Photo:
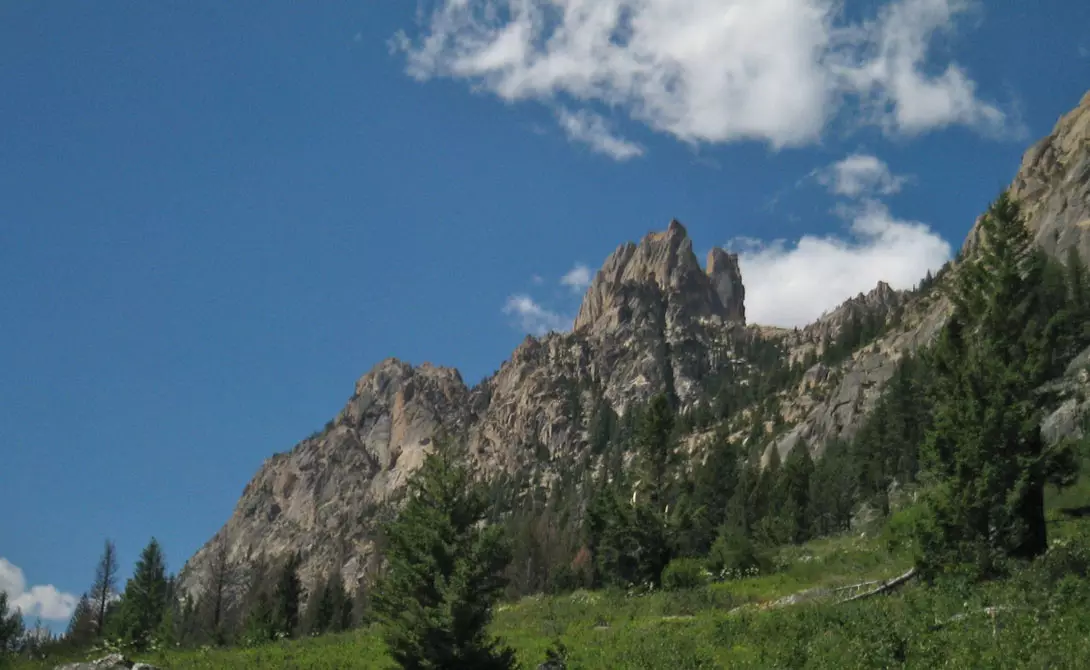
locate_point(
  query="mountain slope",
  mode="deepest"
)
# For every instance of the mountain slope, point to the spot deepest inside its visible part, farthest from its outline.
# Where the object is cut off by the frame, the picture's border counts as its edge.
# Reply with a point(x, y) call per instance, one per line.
point(652, 320)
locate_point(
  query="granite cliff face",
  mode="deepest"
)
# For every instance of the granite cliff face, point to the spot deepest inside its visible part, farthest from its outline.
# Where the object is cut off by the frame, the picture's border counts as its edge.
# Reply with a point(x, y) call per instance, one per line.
point(652, 320)
point(1053, 188)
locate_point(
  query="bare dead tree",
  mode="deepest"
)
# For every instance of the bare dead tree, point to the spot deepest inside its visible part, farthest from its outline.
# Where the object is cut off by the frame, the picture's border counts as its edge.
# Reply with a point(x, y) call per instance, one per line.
point(221, 579)
point(105, 586)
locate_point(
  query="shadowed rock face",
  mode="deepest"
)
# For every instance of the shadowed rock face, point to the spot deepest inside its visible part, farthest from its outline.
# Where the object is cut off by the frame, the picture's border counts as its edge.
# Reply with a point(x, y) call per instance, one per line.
point(652, 319)
point(726, 279)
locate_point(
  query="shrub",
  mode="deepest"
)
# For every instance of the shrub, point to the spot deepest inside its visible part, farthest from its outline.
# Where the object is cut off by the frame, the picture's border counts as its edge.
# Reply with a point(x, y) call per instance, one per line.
point(734, 556)
point(684, 573)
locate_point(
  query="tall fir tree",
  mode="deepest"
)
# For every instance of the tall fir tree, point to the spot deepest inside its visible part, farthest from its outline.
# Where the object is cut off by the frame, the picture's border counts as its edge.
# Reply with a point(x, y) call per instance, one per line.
point(81, 627)
point(797, 472)
point(287, 597)
point(984, 452)
point(11, 626)
point(445, 571)
point(146, 598)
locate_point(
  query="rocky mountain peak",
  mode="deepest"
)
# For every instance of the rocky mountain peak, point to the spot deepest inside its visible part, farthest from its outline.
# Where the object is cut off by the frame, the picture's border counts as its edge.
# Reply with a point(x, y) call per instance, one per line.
point(663, 264)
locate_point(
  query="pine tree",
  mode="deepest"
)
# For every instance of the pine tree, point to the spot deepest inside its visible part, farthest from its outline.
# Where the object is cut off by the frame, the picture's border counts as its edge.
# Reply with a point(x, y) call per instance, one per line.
point(81, 627)
point(289, 591)
point(261, 623)
point(445, 571)
point(145, 600)
point(985, 451)
point(342, 604)
point(319, 615)
point(11, 626)
point(654, 442)
point(714, 484)
point(104, 590)
point(797, 471)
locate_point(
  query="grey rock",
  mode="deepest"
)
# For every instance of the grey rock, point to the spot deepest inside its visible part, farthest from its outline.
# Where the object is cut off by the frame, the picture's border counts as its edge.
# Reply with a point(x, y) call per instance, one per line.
point(726, 279)
point(110, 662)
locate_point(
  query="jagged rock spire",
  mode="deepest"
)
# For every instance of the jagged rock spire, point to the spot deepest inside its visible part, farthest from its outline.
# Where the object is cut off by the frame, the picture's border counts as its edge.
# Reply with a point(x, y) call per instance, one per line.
point(663, 260)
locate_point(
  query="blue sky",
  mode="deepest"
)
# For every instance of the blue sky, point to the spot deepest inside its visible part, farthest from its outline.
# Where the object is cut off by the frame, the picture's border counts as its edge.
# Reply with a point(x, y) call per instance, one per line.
point(215, 216)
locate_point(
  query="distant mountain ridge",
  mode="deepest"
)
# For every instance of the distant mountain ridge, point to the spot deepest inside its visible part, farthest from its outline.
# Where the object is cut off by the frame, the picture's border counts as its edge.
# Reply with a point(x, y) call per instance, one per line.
point(652, 320)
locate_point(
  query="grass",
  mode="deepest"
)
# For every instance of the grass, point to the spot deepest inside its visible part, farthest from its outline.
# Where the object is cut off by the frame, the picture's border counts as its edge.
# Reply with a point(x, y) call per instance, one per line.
point(729, 624)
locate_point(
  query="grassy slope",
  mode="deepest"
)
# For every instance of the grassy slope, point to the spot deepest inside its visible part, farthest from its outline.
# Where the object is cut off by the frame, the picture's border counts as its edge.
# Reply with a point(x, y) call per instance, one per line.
point(732, 625)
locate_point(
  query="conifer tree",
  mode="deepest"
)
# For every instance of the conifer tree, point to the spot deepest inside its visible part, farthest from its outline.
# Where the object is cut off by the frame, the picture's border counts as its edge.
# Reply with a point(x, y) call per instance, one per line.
point(445, 571)
point(320, 608)
point(11, 626)
point(289, 591)
point(145, 600)
point(714, 484)
point(984, 451)
point(797, 471)
point(81, 627)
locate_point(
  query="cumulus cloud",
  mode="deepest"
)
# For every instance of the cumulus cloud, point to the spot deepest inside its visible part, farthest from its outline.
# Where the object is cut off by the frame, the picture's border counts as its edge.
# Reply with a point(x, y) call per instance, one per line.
point(592, 130)
point(534, 319)
point(705, 71)
point(860, 174)
point(45, 601)
point(793, 284)
point(578, 278)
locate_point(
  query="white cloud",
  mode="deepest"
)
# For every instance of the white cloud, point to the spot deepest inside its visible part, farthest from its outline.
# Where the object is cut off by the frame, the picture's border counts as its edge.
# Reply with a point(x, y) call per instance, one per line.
point(533, 318)
point(792, 285)
point(39, 601)
point(592, 130)
point(860, 174)
point(537, 280)
point(705, 71)
point(1084, 52)
point(901, 95)
point(578, 278)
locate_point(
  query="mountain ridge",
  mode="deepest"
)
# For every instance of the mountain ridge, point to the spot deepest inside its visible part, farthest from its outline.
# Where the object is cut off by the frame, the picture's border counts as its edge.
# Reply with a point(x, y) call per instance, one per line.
point(652, 320)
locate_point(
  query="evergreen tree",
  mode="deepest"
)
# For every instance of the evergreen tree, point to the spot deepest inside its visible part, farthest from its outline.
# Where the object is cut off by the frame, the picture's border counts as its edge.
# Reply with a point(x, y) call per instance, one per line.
point(319, 614)
point(833, 490)
point(342, 604)
point(11, 626)
point(445, 571)
point(657, 455)
point(798, 470)
point(714, 484)
point(985, 451)
point(104, 589)
point(261, 620)
point(145, 600)
point(289, 591)
point(81, 627)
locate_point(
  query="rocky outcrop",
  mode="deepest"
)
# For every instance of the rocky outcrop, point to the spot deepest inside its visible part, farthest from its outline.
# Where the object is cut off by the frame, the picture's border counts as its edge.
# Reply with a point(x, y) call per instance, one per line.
point(111, 662)
point(1053, 188)
point(317, 498)
point(662, 261)
point(726, 279)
